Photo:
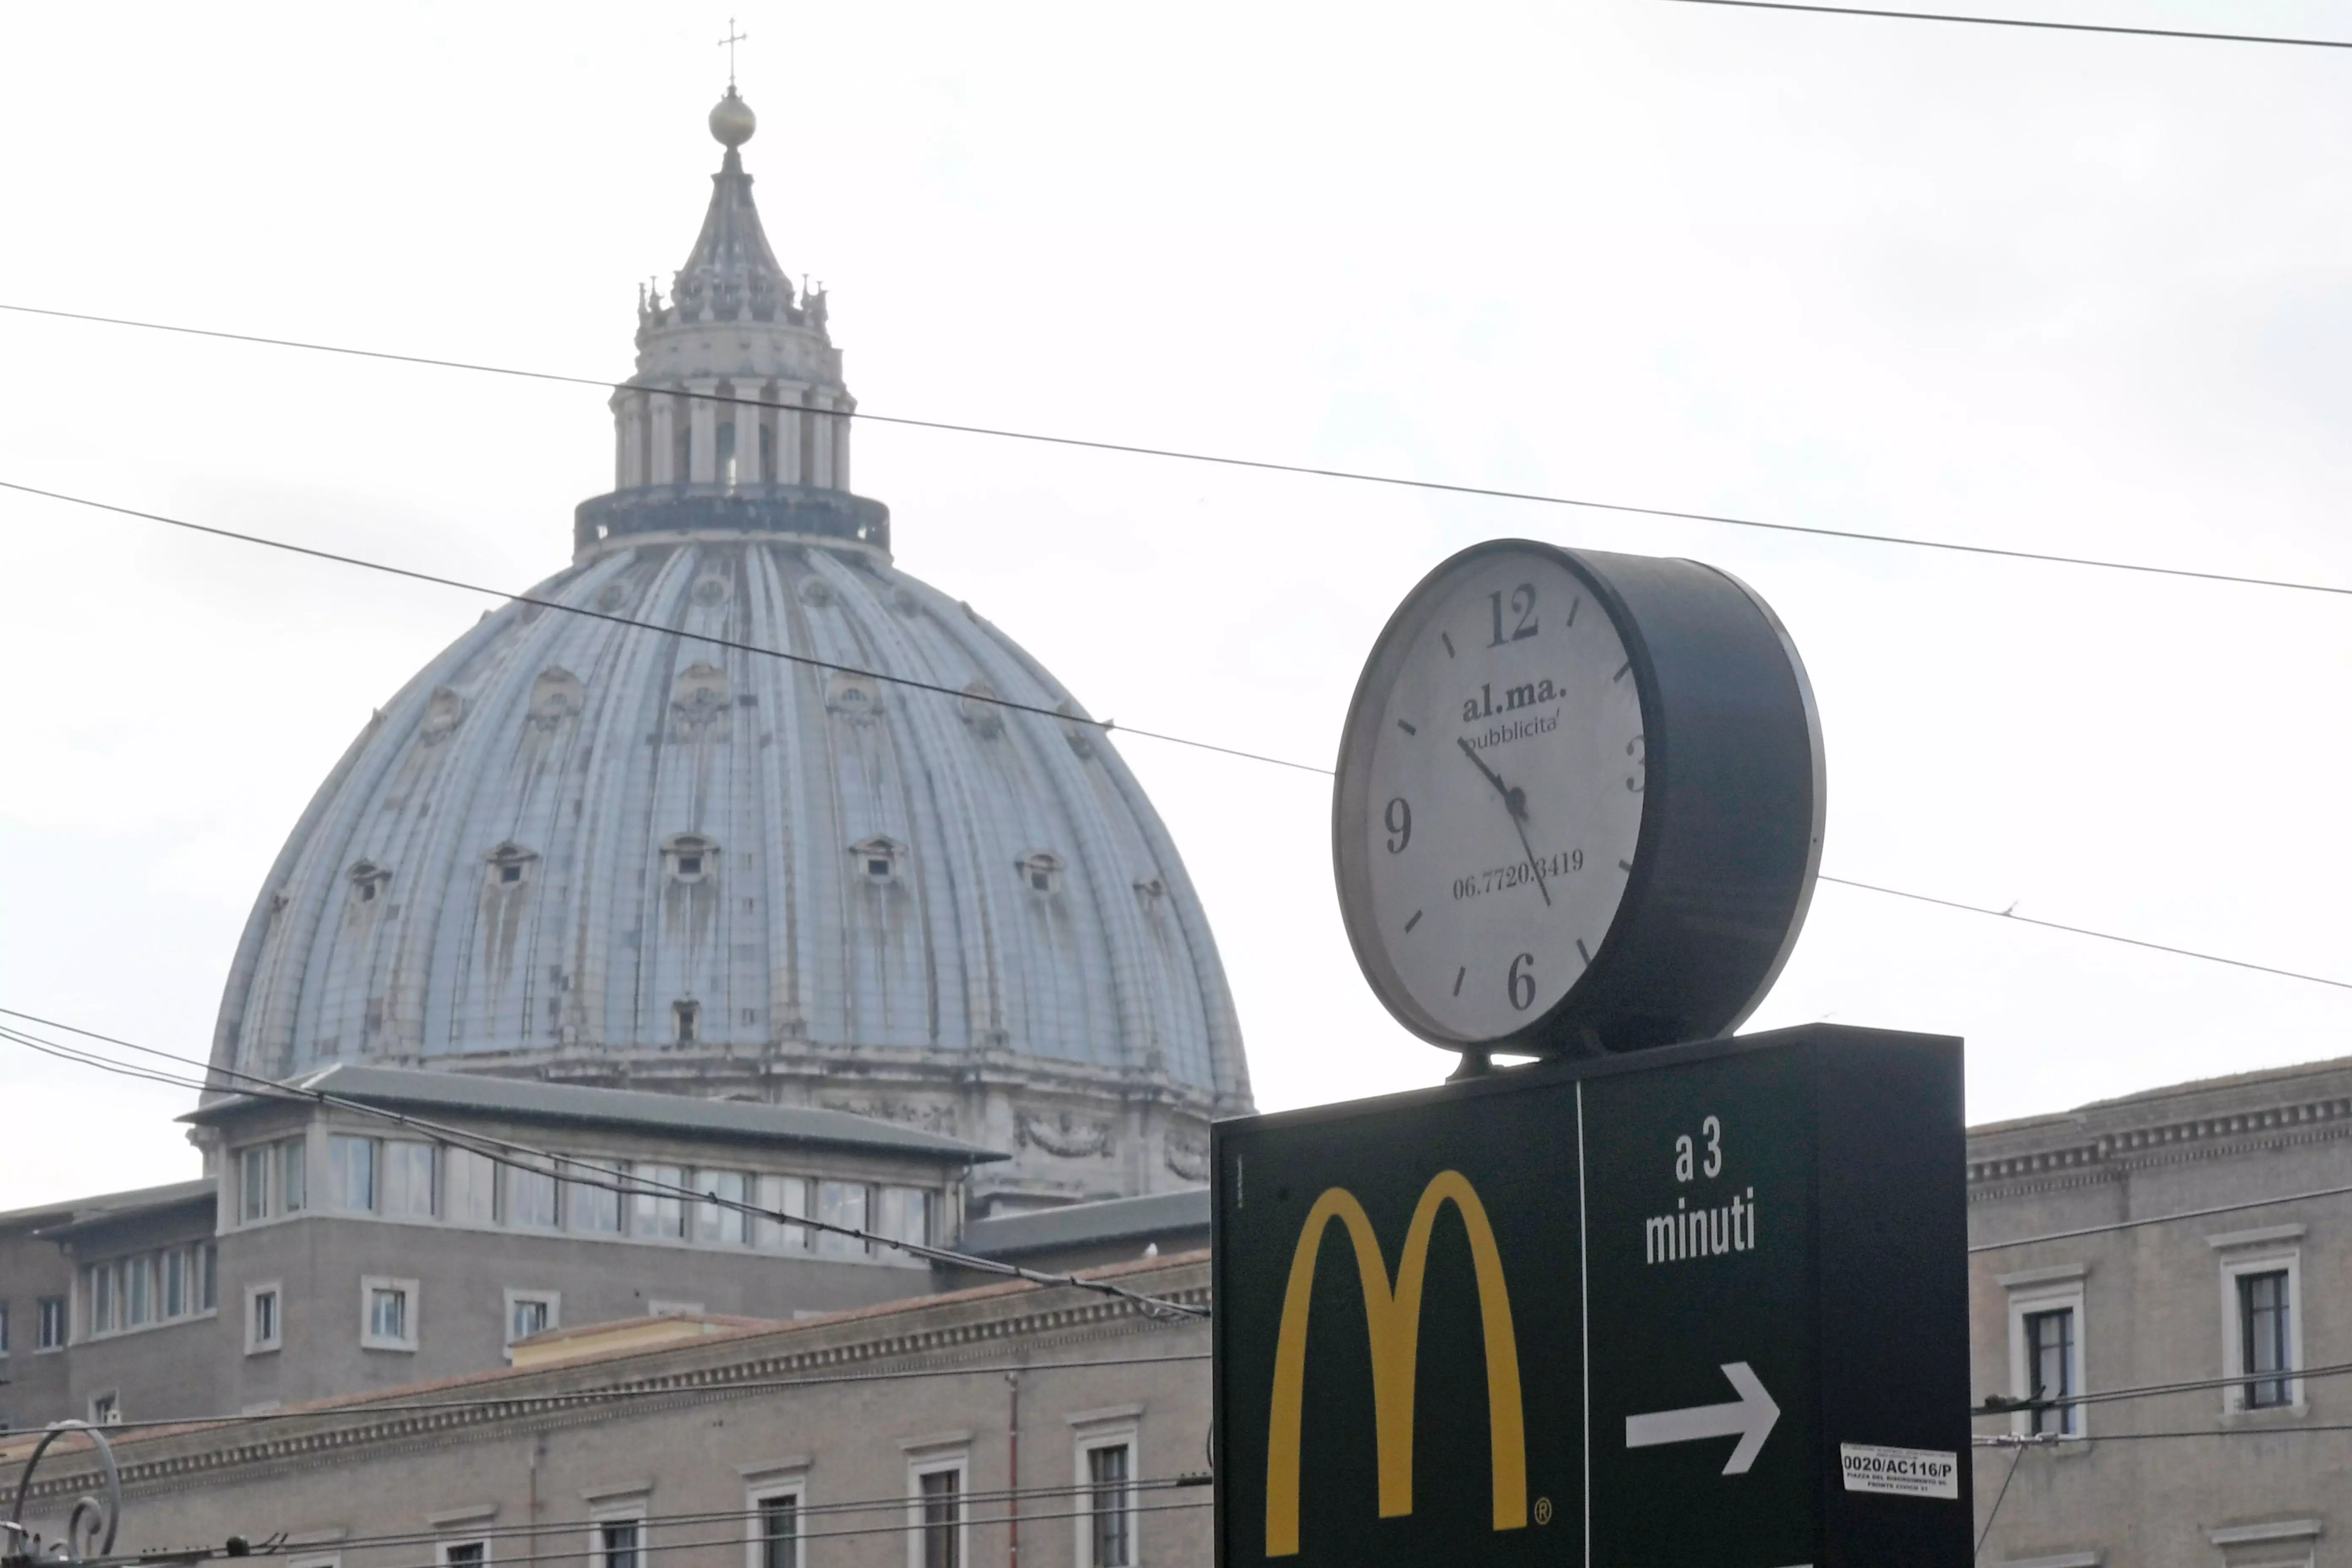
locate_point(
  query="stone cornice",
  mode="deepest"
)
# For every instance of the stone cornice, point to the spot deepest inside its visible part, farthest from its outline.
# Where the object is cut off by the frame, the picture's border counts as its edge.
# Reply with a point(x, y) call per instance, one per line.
point(2076, 1155)
point(945, 1331)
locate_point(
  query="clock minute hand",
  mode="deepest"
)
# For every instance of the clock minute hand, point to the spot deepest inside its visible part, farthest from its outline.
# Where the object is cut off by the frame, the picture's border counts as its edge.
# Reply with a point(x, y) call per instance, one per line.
point(1515, 802)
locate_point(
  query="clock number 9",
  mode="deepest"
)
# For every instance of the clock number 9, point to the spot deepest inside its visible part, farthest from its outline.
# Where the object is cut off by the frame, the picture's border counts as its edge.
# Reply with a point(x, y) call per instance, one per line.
point(1522, 982)
point(1400, 824)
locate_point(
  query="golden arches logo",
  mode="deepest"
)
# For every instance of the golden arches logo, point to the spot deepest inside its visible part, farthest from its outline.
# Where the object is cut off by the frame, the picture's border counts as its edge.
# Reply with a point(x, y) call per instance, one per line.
point(1393, 1320)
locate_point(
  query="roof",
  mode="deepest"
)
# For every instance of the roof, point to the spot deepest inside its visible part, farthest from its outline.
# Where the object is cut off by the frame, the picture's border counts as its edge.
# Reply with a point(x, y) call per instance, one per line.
point(55, 1219)
point(1079, 1224)
point(528, 1100)
point(2156, 1100)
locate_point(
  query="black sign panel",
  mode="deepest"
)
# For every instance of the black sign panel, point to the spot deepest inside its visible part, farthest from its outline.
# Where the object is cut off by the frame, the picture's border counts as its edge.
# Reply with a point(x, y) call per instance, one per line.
point(1701, 1306)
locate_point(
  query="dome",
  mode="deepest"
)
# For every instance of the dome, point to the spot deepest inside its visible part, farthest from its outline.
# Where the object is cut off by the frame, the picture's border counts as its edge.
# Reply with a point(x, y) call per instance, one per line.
point(634, 846)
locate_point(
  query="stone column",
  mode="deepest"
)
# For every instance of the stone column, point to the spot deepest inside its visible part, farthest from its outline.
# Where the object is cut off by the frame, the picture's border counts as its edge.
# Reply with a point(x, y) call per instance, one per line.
point(664, 467)
point(788, 435)
point(746, 432)
point(629, 421)
point(702, 449)
point(821, 449)
point(841, 446)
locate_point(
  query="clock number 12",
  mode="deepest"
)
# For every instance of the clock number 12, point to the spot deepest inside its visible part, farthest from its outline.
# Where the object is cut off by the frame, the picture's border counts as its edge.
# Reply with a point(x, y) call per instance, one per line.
point(1523, 605)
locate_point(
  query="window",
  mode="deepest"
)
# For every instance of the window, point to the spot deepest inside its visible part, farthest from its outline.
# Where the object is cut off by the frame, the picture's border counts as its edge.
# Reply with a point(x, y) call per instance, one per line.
point(293, 1172)
point(137, 1292)
point(940, 1510)
point(716, 1224)
point(2262, 1338)
point(205, 1259)
point(1042, 869)
point(689, 857)
point(2049, 1368)
point(253, 1184)
point(904, 1213)
point(388, 1315)
point(106, 1409)
point(1109, 1506)
point(465, 1553)
point(620, 1544)
point(876, 860)
point(782, 1194)
point(351, 1173)
point(843, 1203)
point(530, 1198)
point(264, 1326)
point(175, 1283)
point(103, 1279)
point(51, 1329)
point(407, 1180)
point(532, 1312)
point(776, 1531)
point(1106, 1469)
point(2046, 1335)
point(3, 1328)
point(470, 1187)
point(2261, 1316)
point(594, 1210)
point(686, 1021)
point(653, 1212)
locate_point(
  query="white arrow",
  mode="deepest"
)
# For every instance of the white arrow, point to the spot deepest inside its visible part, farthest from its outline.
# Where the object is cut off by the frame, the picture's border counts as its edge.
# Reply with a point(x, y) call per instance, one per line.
point(1749, 1418)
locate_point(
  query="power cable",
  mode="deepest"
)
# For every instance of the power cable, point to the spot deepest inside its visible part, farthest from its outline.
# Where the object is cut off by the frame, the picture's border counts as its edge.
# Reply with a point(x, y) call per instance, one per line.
point(1104, 724)
point(632, 1184)
point(1224, 460)
point(959, 693)
point(2052, 1440)
point(2000, 1406)
point(2114, 1225)
point(1998, 1498)
point(2011, 914)
point(2016, 22)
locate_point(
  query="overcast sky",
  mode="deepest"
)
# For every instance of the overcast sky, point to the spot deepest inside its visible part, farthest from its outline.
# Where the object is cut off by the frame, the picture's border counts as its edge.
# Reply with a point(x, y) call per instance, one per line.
point(2083, 294)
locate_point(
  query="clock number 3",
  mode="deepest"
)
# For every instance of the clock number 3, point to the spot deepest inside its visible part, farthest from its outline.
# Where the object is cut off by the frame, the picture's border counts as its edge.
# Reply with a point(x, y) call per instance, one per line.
point(1639, 750)
point(1523, 605)
point(1521, 981)
point(1400, 821)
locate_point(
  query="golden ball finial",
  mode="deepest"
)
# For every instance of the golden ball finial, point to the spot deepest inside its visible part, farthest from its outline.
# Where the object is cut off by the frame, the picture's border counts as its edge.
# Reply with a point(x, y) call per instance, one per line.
point(732, 121)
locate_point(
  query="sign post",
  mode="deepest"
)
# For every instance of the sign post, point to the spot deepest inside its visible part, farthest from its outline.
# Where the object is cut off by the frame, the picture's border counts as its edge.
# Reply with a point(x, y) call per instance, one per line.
point(1706, 1305)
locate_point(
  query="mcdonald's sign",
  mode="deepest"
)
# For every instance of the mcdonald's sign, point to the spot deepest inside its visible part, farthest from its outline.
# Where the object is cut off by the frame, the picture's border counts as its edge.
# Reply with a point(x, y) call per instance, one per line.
point(1393, 1325)
point(1572, 1314)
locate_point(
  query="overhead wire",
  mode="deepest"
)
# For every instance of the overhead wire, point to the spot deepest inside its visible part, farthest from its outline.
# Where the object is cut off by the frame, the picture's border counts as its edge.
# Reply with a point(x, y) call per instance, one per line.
point(1107, 725)
point(1218, 460)
point(412, 574)
point(2011, 914)
point(2024, 22)
point(568, 1168)
point(2119, 1224)
point(2001, 1405)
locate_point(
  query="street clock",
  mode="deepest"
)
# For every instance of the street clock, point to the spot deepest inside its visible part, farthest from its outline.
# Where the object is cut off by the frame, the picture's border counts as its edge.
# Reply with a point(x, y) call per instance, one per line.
point(1580, 802)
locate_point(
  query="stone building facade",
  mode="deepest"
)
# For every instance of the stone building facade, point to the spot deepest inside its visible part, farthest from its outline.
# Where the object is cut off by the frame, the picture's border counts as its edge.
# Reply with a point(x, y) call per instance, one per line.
point(2245, 1464)
point(339, 1250)
point(1053, 1427)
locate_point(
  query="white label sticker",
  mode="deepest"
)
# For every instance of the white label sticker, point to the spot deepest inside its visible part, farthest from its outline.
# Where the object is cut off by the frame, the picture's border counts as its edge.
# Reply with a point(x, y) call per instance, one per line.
point(1903, 1472)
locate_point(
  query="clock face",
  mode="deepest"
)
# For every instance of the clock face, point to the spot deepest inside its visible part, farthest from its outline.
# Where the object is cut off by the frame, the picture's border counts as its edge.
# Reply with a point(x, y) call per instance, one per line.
point(1492, 785)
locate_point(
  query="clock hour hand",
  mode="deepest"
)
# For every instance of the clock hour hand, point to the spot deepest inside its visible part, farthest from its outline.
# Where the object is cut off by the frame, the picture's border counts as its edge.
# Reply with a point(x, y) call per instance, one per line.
point(1515, 801)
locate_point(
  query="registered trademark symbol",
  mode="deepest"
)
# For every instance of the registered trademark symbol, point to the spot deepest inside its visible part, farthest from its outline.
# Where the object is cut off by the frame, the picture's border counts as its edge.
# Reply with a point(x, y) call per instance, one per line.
point(1543, 1510)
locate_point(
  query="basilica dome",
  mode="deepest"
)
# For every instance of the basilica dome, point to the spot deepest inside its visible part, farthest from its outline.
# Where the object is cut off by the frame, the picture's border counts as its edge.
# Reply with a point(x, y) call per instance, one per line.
point(732, 806)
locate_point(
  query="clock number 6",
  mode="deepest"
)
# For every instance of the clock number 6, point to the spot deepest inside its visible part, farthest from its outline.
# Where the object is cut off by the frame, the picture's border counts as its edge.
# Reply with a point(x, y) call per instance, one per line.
point(1522, 982)
point(1400, 821)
